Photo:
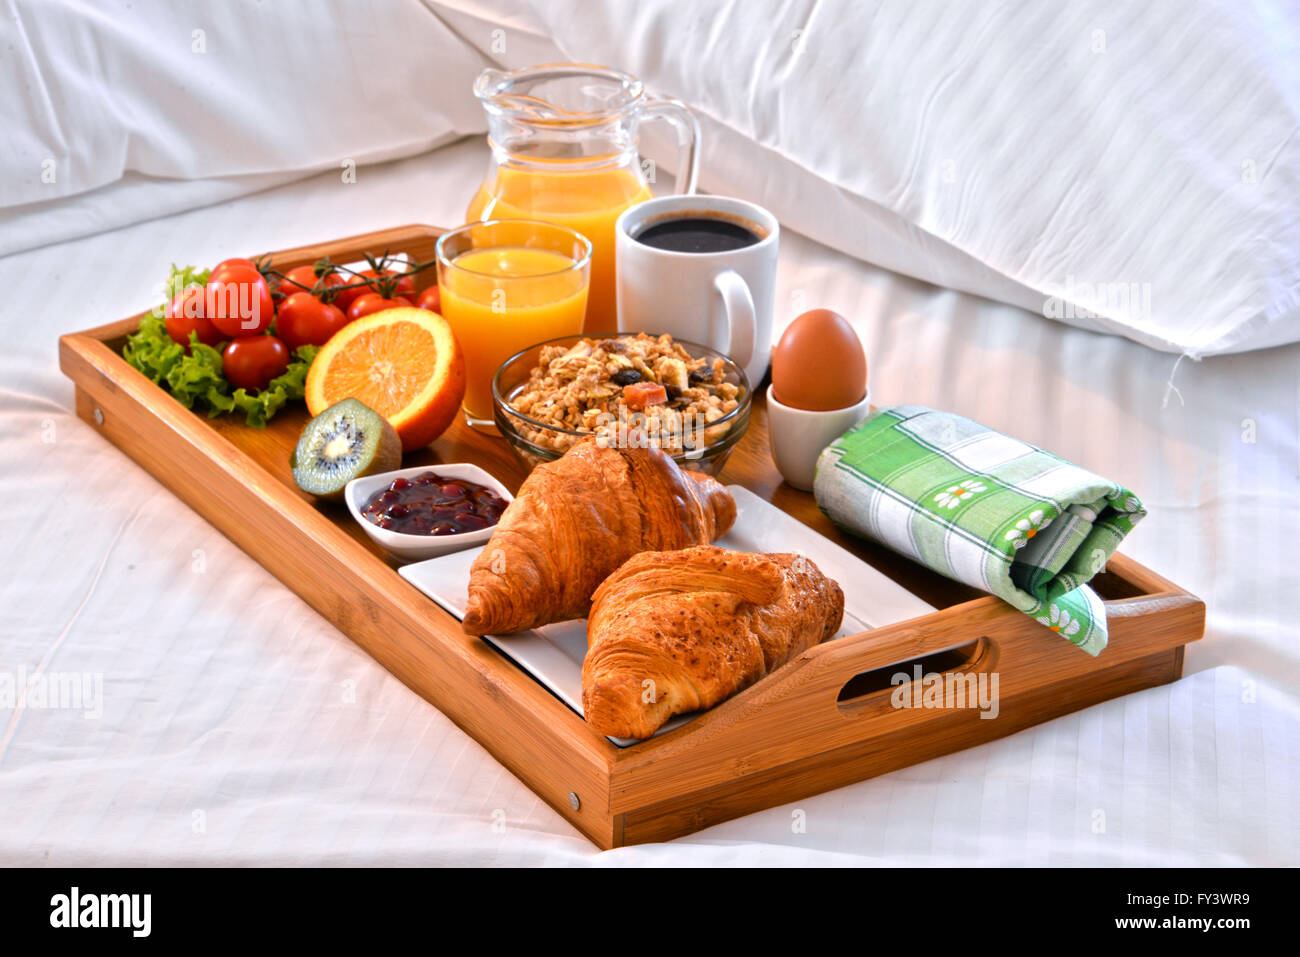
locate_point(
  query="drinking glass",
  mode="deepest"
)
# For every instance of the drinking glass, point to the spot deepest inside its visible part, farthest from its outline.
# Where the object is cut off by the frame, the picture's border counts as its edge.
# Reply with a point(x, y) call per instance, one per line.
point(505, 285)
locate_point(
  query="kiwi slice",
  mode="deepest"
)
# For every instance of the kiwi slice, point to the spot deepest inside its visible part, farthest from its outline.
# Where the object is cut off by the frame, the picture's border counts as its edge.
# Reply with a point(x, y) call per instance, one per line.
point(346, 441)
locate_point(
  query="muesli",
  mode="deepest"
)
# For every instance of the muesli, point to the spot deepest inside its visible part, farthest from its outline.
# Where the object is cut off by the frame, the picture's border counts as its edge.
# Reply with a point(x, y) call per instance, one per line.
point(633, 388)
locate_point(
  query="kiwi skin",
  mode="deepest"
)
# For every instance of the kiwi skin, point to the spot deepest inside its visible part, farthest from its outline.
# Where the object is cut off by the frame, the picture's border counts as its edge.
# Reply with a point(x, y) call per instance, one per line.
point(387, 455)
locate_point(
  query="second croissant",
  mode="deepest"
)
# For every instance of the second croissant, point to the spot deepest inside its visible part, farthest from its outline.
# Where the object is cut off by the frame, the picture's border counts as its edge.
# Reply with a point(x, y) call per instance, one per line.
point(672, 632)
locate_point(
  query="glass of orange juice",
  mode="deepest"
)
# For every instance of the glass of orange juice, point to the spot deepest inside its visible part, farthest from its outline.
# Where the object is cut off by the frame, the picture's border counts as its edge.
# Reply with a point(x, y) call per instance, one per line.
point(506, 285)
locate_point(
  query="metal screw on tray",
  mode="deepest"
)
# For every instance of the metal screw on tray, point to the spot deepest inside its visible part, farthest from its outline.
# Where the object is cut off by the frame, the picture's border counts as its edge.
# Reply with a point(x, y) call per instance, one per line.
point(574, 802)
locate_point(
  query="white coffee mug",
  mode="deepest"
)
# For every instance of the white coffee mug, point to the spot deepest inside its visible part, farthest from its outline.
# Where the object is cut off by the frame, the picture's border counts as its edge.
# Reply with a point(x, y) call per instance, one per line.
point(721, 299)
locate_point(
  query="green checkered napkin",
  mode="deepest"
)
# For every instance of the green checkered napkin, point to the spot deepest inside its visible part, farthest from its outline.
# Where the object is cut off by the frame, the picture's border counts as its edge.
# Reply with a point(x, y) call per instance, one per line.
point(983, 508)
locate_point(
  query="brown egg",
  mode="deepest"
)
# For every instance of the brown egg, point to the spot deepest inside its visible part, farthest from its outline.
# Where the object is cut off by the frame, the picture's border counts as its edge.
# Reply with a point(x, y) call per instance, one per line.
point(819, 364)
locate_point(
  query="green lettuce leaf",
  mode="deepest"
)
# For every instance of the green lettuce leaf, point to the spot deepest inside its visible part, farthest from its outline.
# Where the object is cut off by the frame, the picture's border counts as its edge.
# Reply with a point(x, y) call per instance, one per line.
point(179, 279)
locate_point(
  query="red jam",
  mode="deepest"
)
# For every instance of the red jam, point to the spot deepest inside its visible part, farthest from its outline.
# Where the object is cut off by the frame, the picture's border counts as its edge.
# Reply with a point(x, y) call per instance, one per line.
point(430, 504)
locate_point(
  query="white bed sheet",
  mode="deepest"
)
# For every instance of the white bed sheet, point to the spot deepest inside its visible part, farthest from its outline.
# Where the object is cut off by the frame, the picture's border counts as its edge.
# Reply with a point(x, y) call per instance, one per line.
point(239, 727)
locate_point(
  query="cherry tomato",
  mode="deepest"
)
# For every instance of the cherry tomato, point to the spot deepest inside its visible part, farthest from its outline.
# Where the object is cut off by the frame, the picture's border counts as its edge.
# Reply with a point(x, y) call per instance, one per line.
point(250, 362)
point(373, 302)
point(430, 299)
point(304, 320)
point(229, 264)
point(185, 314)
point(239, 302)
point(346, 297)
point(405, 286)
point(303, 279)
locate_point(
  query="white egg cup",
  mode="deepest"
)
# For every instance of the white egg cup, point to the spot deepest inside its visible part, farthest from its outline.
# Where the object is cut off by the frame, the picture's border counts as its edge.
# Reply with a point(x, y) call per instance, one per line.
point(798, 436)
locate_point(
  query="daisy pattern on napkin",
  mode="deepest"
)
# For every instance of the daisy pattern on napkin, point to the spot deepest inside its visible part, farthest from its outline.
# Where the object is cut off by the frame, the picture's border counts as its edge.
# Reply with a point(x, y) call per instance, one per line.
point(1027, 528)
point(956, 494)
point(1061, 621)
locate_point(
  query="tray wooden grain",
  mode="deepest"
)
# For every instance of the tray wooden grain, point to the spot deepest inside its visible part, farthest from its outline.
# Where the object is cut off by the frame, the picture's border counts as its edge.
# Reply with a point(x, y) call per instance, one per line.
point(822, 721)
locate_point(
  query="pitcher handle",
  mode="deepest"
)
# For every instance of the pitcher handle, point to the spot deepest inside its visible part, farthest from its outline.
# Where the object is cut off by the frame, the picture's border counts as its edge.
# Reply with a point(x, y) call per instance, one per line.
point(688, 136)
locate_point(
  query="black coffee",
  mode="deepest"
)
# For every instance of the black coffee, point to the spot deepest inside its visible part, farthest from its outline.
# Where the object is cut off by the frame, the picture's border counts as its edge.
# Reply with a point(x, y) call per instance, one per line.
point(698, 234)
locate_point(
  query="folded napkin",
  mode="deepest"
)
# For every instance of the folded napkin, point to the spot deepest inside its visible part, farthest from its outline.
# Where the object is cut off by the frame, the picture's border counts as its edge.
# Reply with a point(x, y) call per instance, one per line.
point(983, 508)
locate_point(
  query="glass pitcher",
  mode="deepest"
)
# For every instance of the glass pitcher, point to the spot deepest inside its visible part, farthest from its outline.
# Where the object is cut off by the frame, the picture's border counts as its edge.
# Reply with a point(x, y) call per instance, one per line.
point(564, 150)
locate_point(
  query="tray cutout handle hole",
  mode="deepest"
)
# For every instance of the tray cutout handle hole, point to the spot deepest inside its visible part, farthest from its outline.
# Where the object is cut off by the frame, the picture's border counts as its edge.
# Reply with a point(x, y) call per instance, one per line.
point(973, 656)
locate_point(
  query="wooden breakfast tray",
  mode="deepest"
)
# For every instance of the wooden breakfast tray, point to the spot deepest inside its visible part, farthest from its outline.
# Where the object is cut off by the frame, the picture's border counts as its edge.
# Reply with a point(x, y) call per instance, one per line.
point(822, 721)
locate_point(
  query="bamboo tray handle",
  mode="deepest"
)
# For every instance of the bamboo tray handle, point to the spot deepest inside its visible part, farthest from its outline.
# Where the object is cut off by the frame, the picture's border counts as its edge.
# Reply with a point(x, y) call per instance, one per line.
point(986, 636)
point(969, 637)
point(990, 633)
point(817, 694)
point(797, 730)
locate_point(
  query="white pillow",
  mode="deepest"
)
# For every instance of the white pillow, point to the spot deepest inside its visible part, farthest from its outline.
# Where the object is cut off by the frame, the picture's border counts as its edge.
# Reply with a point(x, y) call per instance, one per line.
point(1139, 162)
point(212, 101)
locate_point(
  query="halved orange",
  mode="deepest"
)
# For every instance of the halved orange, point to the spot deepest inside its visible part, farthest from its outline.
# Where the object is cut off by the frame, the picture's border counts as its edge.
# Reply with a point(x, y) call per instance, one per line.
point(404, 363)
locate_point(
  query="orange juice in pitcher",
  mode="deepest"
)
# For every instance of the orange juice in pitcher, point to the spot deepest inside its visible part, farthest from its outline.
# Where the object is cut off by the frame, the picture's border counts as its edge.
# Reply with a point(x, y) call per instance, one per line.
point(564, 150)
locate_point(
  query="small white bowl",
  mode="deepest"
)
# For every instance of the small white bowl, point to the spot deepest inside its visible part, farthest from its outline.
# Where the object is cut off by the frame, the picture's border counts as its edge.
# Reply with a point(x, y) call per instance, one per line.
point(799, 435)
point(414, 548)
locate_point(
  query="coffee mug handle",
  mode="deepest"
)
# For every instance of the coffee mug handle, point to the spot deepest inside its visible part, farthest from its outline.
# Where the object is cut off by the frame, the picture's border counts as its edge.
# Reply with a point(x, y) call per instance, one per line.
point(738, 318)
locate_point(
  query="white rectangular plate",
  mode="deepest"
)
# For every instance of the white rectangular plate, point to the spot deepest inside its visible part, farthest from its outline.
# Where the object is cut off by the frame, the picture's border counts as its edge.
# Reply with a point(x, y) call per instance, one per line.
point(553, 654)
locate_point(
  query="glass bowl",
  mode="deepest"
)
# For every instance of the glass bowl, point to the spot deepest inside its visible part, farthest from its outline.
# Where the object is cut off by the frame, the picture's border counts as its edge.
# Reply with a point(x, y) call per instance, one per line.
point(699, 445)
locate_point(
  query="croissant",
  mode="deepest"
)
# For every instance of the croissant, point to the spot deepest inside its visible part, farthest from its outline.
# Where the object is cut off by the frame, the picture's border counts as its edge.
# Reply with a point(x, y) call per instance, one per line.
point(577, 519)
point(672, 632)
